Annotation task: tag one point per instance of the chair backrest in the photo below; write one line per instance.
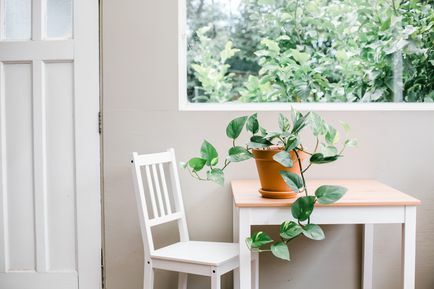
(158, 195)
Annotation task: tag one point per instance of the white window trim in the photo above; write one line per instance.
(185, 105)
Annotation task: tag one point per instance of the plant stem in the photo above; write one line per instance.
(226, 164)
(307, 167)
(316, 145)
(301, 172)
(196, 175)
(394, 7)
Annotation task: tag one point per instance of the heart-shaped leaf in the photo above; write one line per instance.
(292, 143)
(317, 124)
(299, 122)
(283, 122)
(208, 152)
(238, 154)
(235, 127)
(319, 158)
(253, 124)
(329, 150)
(257, 240)
(280, 250)
(257, 141)
(302, 208)
(290, 229)
(329, 194)
(216, 175)
(283, 158)
(332, 135)
(197, 163)
(294, 181)
(313, 232)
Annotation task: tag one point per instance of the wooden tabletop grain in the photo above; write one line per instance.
(360, 193)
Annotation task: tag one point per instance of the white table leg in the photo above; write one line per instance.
(368, 256)
(235, 225)
(409, 248)
(245, 254)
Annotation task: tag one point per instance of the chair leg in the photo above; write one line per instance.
(255, 271)
(215, 280)
(182, 280)
(148, 278)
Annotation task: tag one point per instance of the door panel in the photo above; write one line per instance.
(18, 132)
(49, 147)
(60, 177)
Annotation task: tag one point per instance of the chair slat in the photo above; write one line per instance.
(164, 186)
(158, 190)
(151, 192)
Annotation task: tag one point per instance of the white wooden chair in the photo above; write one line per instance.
(186, 257)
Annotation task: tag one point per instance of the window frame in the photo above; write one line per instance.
(185, 105)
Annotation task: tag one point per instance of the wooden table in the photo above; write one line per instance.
(366, 202)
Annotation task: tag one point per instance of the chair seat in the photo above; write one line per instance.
(197, 252)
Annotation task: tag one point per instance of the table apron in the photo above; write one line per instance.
(330, 215)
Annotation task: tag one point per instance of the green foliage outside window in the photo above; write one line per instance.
(310, 51)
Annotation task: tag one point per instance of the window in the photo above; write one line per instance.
(310, 52)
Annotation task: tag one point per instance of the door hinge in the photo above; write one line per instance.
(99, 122)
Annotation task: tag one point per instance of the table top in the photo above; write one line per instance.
(360, 193)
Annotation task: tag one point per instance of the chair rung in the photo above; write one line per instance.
(165, 219)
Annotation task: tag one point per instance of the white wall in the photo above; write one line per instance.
(139, 41)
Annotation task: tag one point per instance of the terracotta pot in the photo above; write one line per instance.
(272, 184)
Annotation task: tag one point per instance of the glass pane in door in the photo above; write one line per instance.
(18, 19)
(59, 18)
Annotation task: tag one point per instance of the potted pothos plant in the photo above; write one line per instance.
(280, 159)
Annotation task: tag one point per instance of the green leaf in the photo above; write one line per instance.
(317, 124)
(257, 240)
(197, 164)
(345, 126)
(329, 194)
(313, 232)
(292, 143)
(257, 141)
(228, 52)
(290, 230)
(294, 181)
(216, 175)
(283, 123)
(238, 154)
(299, 122)
(253, 124)
(272, 135)
(235, 127)
(208, 152)
(332, 135)
(319, 158)
(271, 45)
(351, 143)
(302, 208)
(386, 24)
(300, 57)
(283, 158)
(280, 250)
(214, 161)
(329, 150)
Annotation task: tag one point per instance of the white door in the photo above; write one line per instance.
(49, 145)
